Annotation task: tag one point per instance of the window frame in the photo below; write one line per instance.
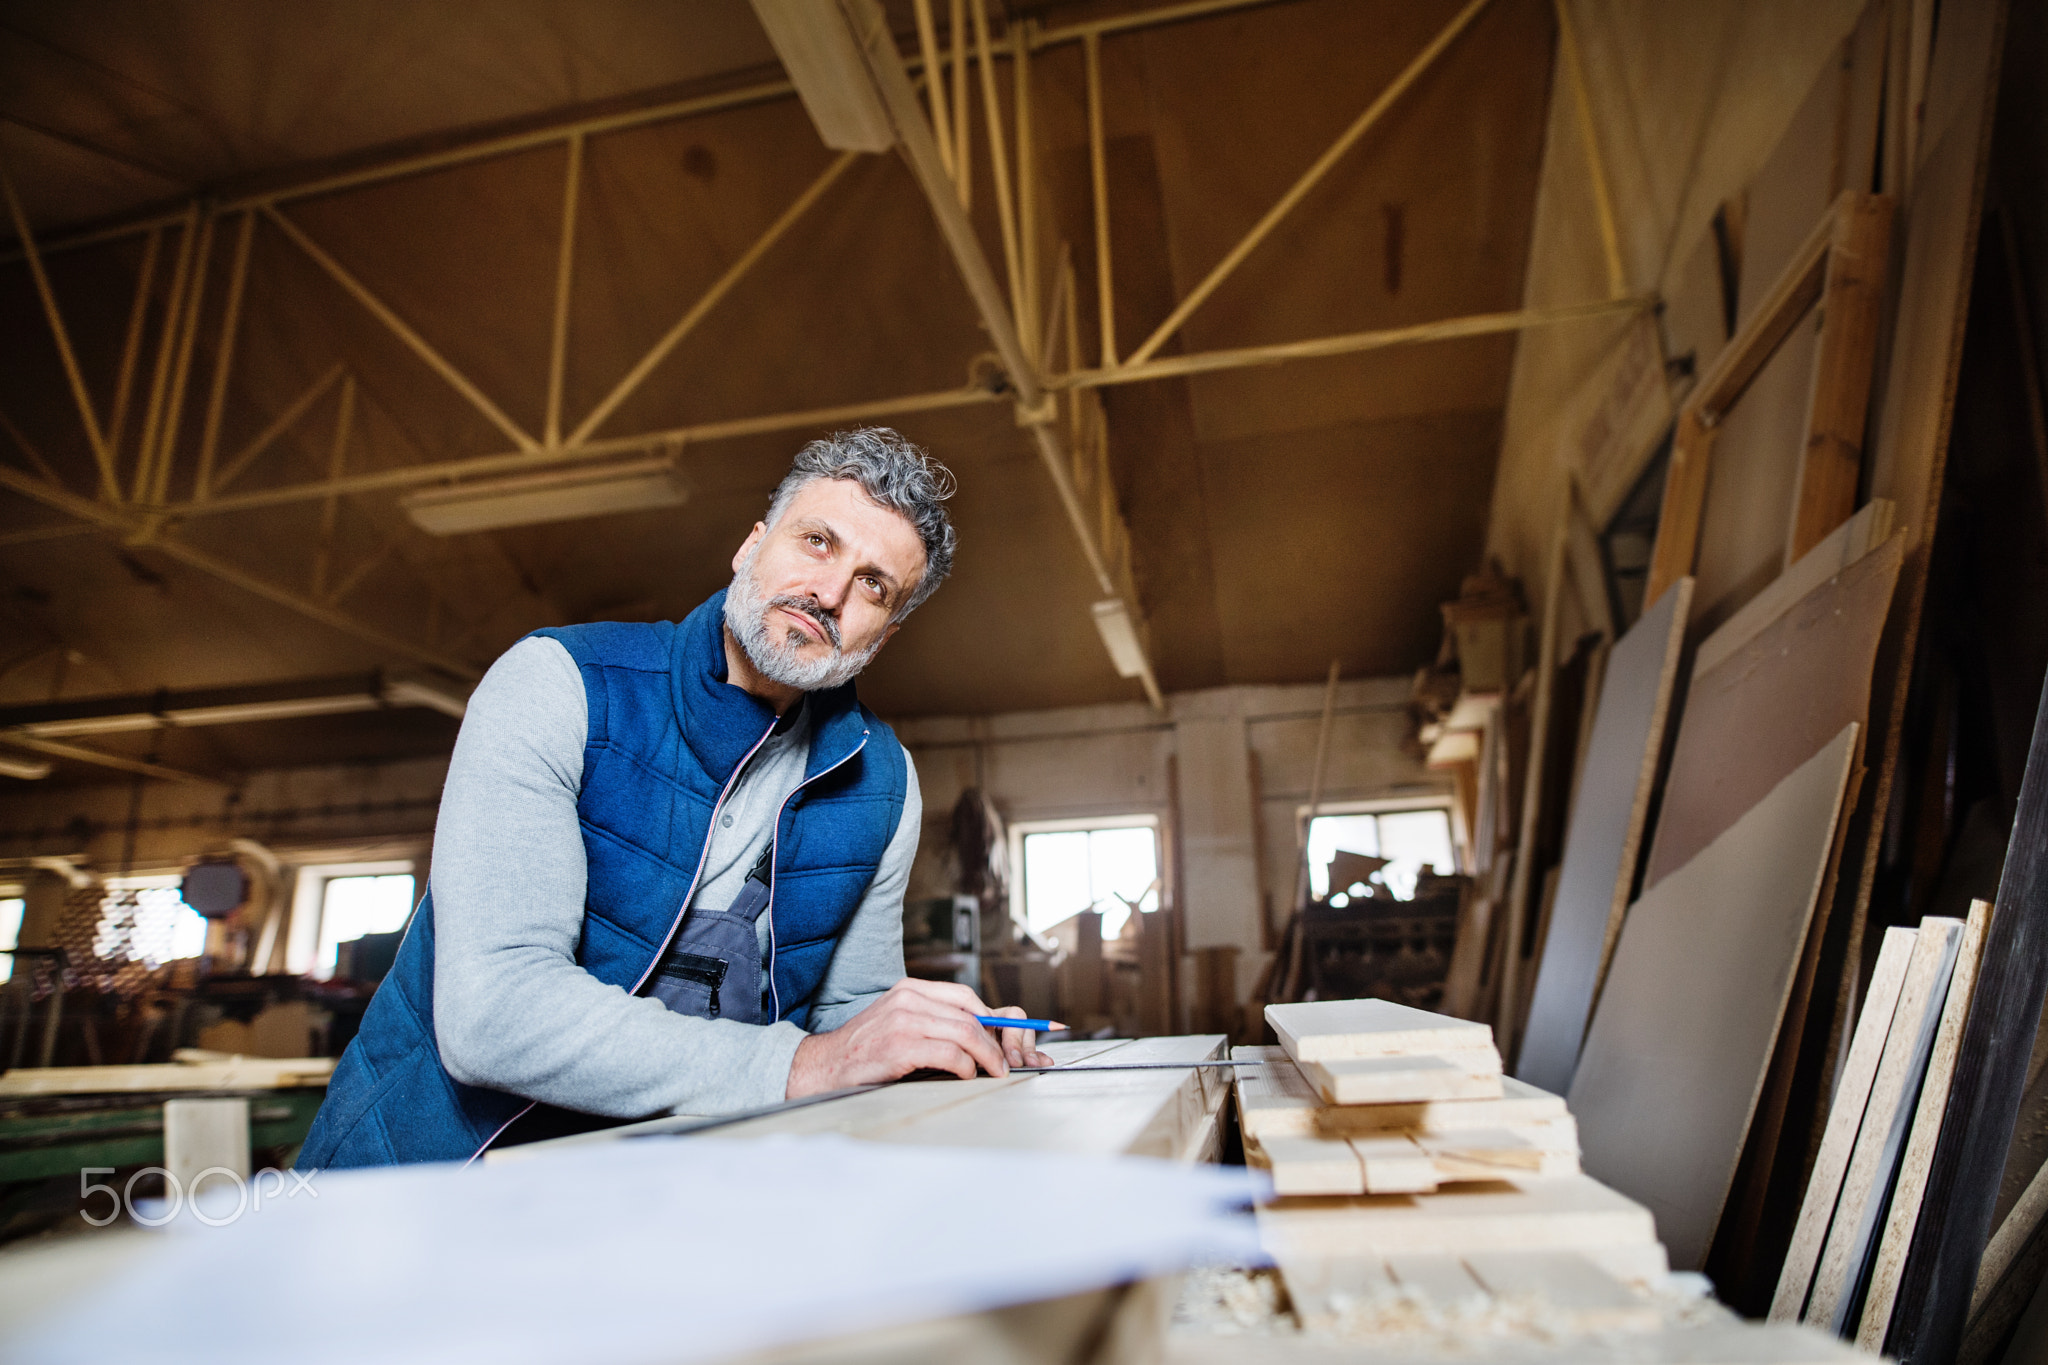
(309, 906)
(1017, 830)
(1384, 805)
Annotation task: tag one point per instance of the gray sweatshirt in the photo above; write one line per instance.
(512, 1008)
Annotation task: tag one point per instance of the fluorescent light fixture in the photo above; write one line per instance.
(1120, 637)
(558, 495)
(27, 769)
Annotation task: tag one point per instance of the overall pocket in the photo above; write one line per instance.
(688, 983)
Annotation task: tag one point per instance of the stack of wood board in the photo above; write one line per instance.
(1312, 1147)
(1498, 1248)
(1842, 1268)
(1388, 1067)
(1378, 1052)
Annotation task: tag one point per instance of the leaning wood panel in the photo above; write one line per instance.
(1684, 1032)
(1771, 705)
(1885, 1121)
(1845, 1117)
(1608, 814)
(1911, 1185)
(1843, 546)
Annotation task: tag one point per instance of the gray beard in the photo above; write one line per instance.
(774, 652)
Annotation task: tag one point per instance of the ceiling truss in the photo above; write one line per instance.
(1026, 316)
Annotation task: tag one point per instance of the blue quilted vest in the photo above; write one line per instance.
(666, 736)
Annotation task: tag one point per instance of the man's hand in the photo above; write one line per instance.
(915, 1026)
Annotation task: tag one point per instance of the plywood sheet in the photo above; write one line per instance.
(1771, 704)
(1885, 1120)
(1325, 1030)
(1678, 1048)
(1911, 1184)
(1607, 819)
(1845, 1116)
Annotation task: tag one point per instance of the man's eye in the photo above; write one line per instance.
(815, 540)
(874, 587)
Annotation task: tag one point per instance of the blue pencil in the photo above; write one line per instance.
(1035, 1025)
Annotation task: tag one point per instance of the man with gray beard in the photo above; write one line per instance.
(670, 859)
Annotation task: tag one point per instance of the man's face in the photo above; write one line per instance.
(816, 595)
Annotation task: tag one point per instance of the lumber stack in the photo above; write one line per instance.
(1419, 1192)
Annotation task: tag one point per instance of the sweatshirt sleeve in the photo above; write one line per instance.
(869, 959)
(513, 1009)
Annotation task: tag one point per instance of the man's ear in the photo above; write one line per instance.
(753, 539)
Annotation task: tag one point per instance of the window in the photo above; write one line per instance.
(334, 903)
(146, 920)
(354, 906)
(12, 907)
(1109, 864)
(1410, 839)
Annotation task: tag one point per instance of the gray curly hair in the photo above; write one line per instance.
(893, 473)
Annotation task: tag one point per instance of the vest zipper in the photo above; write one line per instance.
(774, 845)
(683, 908)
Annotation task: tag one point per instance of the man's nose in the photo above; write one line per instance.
(829, 590)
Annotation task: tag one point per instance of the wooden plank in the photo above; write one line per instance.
(1407, 1080)
(1493, 1150)
(202, 1136)
(1164, 1113)
(1852, 298)
(1276, 1100)
(1320, 1287)
(1326, 1030)
(1685, 501)
(243, 1073)
(2009, 1275)
(1677, 1051)
(1159, 1113)
(1904, 1212)
(1771, 705)
(1519, 1213)
(1719, 1341)
(1845, 1116)
(1394, 1165)
(1608, 816)
(1838, 1281)
(1569, 1287)
(1441, 1279)
(1304, 1165)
